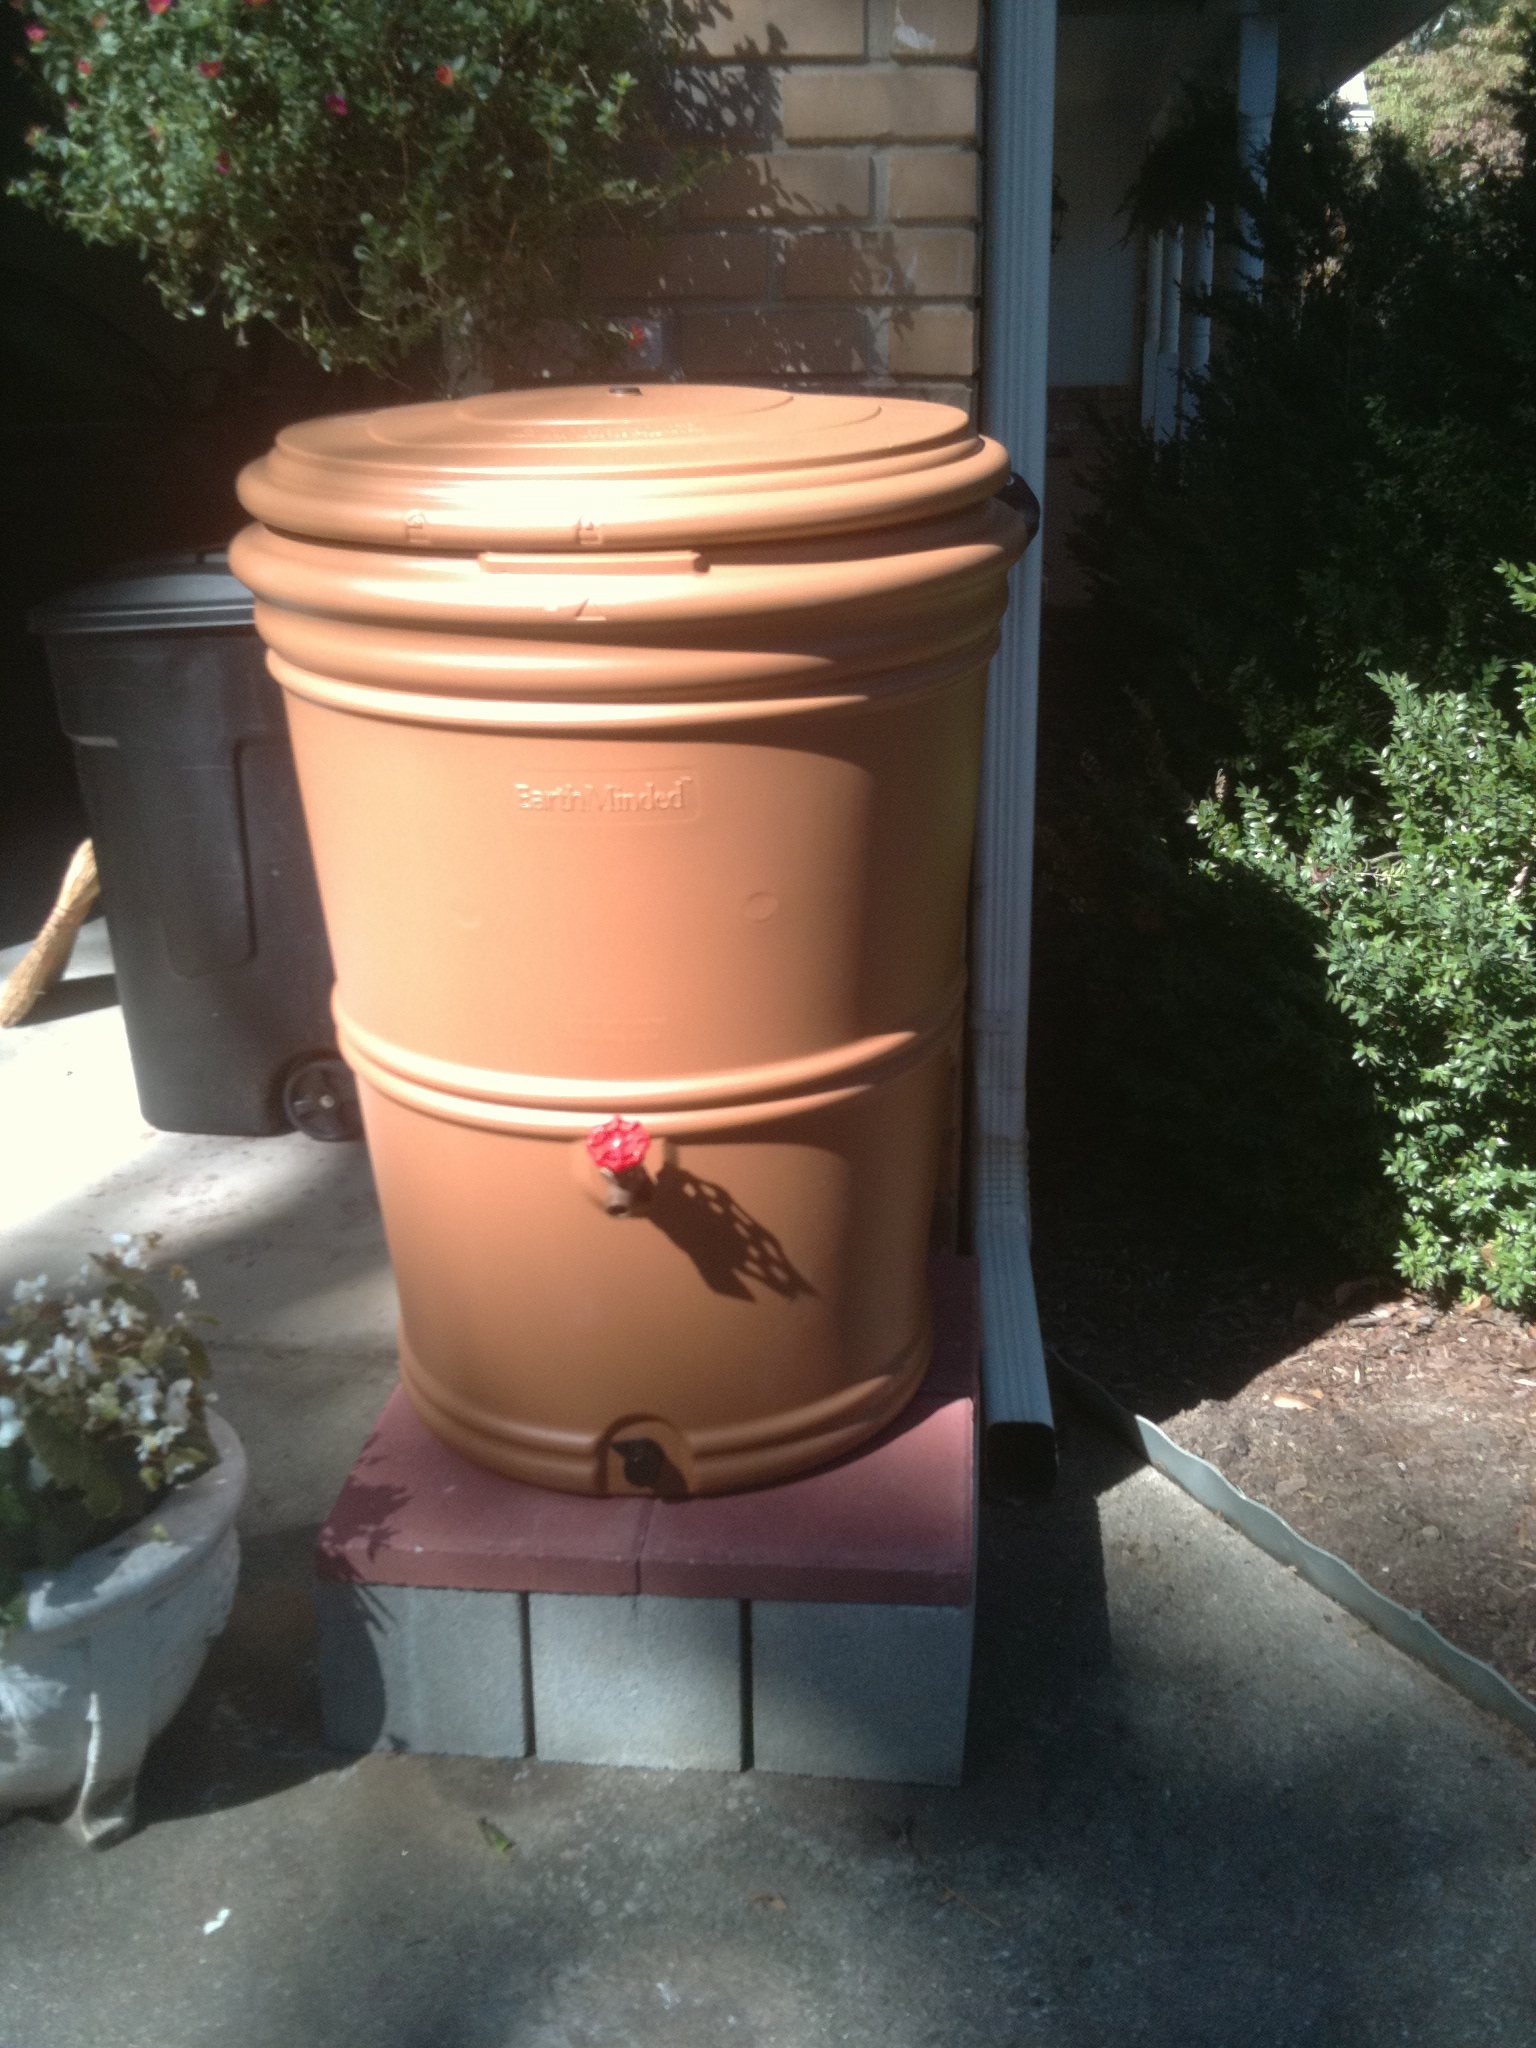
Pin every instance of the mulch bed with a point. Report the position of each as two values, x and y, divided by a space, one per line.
1396 1435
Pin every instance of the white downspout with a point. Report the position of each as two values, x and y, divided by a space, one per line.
1021 79
1258 82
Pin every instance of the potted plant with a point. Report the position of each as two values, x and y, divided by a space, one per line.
118 1554
368 176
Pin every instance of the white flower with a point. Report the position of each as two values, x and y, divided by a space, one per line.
176 1411
85 1357
13 1354
154 1441
141 1394
10 1422
62 1351
126 1316
131 1249
189 1289
89 1316
30 1290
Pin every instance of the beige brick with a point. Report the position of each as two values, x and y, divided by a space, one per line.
933 184
782 28
789 184
894 263
928 30
723 266
927 105
932 341
736 104
808 341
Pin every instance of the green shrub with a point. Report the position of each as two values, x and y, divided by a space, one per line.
1192 1089
1362 453
1424 906
1364 448
366 175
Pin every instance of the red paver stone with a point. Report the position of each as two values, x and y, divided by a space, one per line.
893 1522
414 1513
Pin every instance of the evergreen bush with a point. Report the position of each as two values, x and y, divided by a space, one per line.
1284 1065
1423 907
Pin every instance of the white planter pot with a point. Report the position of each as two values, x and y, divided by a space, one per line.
111 1646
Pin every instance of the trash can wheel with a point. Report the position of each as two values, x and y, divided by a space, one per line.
320 1098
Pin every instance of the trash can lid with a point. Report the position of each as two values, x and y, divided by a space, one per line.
621 466
173 593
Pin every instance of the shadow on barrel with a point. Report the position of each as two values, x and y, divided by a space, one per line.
727 1245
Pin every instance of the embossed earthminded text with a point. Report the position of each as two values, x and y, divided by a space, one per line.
668 795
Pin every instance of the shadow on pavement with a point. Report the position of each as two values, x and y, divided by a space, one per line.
1201 1808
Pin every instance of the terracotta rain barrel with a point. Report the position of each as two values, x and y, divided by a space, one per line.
639 731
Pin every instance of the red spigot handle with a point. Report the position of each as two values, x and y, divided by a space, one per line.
618 1146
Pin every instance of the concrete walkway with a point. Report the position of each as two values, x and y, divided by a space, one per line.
1203 1806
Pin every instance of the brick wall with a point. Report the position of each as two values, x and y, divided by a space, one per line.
838 244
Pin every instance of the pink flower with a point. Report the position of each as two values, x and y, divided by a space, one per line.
35 33
444 74
619 1145
84 67
209 67
336 103
221 163
159 6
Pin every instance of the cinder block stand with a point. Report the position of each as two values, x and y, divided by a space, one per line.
821 1627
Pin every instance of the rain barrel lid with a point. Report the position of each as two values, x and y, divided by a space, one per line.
621 466
172 594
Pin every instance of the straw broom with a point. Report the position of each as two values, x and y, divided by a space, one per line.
50 951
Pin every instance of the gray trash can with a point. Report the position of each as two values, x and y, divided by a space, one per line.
209 891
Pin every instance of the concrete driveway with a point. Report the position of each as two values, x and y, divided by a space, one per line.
1202 1805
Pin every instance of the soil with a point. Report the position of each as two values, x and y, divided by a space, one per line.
1398 1436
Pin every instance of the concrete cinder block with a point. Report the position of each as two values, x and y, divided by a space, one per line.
640 1680
429 1669
845 1691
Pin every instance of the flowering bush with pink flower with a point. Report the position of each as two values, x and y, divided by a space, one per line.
366 175
102 1409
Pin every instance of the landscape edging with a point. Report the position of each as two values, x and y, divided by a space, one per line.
1403 1627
